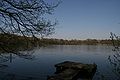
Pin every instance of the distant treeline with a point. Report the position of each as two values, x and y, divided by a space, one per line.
75 42
10 40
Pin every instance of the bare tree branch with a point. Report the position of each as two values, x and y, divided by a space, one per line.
26 17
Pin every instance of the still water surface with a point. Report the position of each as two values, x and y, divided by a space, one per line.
43 60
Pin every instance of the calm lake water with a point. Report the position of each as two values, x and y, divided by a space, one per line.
41 61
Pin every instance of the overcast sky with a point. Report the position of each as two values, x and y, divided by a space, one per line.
83 19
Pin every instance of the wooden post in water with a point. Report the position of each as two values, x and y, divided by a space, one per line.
10 57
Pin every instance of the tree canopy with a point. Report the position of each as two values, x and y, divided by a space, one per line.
26 17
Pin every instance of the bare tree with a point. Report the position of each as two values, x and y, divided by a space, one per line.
26 17
115 58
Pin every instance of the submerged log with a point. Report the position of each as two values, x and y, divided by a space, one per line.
72 71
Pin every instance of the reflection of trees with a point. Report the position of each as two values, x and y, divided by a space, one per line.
9 57
26 55
4 57
2 60
115 58
10 47
2 66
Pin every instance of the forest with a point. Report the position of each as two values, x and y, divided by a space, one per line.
20 41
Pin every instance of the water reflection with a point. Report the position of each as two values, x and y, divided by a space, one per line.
115 62
9 76
2 66
37 64
8 57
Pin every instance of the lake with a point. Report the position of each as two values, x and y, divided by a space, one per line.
40 62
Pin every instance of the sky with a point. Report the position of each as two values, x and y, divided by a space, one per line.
87 19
